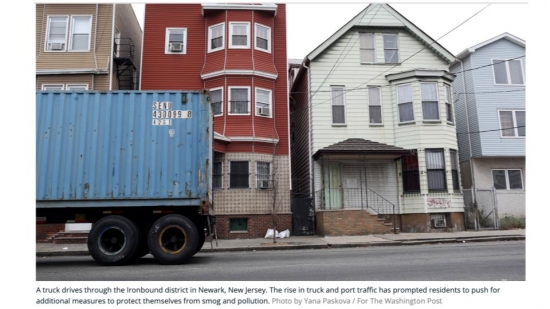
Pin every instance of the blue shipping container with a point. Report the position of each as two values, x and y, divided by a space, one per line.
122 148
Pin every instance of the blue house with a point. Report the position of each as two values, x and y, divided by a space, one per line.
489 94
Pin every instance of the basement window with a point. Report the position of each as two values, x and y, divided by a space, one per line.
238 225
438 220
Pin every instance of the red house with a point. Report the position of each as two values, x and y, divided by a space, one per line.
238 53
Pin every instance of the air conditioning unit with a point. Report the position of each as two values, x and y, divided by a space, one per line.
264 111
263 184
176 47
439 221
56 46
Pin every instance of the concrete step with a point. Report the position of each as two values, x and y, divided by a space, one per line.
70 240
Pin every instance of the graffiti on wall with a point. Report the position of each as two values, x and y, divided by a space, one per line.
439 203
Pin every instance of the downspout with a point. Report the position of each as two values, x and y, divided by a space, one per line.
110 69
95 36
309 128
472 174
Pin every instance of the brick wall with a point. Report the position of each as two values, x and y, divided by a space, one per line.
45 232
349 222
420 223
257 225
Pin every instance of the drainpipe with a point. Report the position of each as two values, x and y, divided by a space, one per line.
473 186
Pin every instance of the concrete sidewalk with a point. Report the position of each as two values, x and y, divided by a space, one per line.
316 242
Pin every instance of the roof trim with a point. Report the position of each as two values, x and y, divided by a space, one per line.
71 71
440 50
421 73
507 36
233 6
239 72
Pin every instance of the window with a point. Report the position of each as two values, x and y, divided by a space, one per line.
239 174
375 105
508 72
391 50
216 100
263 175
448 104
216 37
263 102
338 105
454 170
512 123
53 87
76 87
404 103
430 110
239 101
263 38
217 175
239 32
176 41
435 166
238 225
366 48
508 179
56 37
411 180
116 43
81 28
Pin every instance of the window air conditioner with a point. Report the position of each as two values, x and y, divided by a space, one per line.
56 46
263 184
264 111
176 47
439 221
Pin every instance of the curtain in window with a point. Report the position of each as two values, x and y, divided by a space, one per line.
81 32
175 36
515 71
499 68
507 123
411 180
58 29
262 37
217 36
239 101
390 48
404 94
520 121
375 108
338 108
366 47
430 109
239 36
216 101
435 165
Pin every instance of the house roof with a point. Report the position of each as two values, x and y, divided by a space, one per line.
506 36
361 146
366 18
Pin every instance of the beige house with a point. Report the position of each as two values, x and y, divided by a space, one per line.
87 47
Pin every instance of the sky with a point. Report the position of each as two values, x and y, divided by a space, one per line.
328 17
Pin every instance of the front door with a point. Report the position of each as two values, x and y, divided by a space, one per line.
332 186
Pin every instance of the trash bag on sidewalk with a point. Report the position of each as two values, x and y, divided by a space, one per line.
284 234
269 234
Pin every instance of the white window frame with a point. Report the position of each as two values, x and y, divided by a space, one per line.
448 103
507 72
47 41
216 89
412 103
270 103
167 42
229 99
209 43
231 24
396 43
71 33
514 120
268 50
45 86
437 103
332 104
381 110
68 86
270 176
506 170
373 49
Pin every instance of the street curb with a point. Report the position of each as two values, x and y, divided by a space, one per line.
322 246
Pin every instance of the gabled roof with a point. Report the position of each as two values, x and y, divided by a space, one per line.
360 146
507 36
367 18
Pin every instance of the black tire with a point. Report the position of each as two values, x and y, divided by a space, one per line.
202 239
173 239
113 240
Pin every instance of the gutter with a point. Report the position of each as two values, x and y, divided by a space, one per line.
71 71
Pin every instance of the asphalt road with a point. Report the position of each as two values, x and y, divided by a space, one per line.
488 261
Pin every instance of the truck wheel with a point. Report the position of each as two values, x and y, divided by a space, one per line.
202 239
173 239
113 240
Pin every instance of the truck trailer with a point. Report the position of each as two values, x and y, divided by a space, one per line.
134 164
